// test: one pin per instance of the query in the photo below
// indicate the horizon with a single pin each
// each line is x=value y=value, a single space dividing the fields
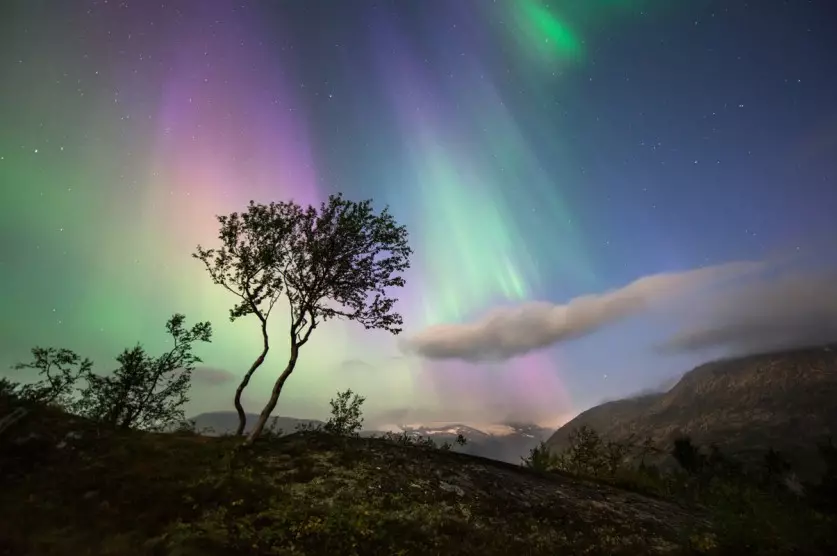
x=598 y=201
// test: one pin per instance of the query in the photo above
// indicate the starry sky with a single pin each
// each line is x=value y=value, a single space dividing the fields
x=537 y=151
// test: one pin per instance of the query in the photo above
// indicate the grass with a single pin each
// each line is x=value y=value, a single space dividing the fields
x=69 y=488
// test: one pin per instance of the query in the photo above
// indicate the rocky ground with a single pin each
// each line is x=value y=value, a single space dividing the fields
x=70 y=488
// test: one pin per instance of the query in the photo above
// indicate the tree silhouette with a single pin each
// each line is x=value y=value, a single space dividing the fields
x=338 y=261
x=146 y=392
x=60 y=370
x=540 y=458
x=254 y=246
x=346 y=414
x=688 y=455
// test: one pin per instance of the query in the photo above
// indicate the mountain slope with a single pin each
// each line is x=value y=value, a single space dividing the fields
x=785 y=400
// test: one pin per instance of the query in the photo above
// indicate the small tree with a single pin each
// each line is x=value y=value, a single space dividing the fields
x=615 y=456
x=586 y=453
x=346 y=414
x=60 y=369
x=147 y=392
x=688 y=456
x=541 y=458
x=254 y=246
x=8 y=389
x=336 y=262
x=645 y=449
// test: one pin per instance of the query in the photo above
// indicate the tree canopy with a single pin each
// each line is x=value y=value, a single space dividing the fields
x=147 y=392
x=144 y=392
x=338 y=260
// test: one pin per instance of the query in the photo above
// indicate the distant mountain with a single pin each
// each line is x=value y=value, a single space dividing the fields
x=504 y=442
x=216 y=423
x=745 y=405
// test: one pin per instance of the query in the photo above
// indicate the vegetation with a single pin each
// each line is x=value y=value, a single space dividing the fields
x=85 y=470
x=347 y=419
x=59 y=369
x=336 y=262
x=346 y=414
x=144 y=392
x=766 y=511
x=72 y=486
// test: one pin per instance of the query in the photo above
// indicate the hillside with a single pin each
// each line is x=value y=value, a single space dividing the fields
x=70 y=487
x=744 y=405
x=513 y=442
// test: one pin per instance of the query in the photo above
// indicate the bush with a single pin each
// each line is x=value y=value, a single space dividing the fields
x=144 y=392
x=346 y=414
x=756 y=510
x=541 y=459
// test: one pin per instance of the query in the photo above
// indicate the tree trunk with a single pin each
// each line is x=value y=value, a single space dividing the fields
x=242 y=417
x=274 y=395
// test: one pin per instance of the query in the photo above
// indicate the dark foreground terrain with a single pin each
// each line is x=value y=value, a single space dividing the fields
x=68 y=487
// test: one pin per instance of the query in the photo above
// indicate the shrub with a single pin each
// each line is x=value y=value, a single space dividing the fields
x=346 y=414
x=541 y=458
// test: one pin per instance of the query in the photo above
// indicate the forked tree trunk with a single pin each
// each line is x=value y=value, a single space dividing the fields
x=242 y=417
x=274 y=395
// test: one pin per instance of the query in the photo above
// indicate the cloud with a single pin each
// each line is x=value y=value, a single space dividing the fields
x=784 y=311
x=211 y=376
x=659 y=389
x=486 y=413
x=356 y=365
x=512 y=331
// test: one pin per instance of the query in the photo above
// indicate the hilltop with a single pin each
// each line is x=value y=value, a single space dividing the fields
x=72 y=487
x=744 y=405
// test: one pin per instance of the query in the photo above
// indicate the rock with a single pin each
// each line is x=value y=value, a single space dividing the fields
x=451 y=488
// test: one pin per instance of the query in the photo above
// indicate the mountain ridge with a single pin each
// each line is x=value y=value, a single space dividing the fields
x=515 y=441
x=745 y=405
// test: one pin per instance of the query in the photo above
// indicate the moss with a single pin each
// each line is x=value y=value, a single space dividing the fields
x=311 y=493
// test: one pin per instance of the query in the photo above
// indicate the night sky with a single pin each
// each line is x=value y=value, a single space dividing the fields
x=536 y=151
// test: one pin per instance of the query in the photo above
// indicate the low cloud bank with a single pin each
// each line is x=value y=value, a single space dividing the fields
x=513 y=331
x=488 y=414
x=791 y=310
x=212 y=376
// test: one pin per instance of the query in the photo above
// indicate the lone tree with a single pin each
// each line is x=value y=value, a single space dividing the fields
x=338 y=261
x=253 y=249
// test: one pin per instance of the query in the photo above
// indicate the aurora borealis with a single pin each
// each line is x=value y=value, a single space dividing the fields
x=536 y=151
